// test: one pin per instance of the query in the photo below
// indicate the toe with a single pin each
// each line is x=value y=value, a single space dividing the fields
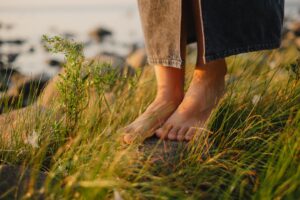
x=163 y=132
x=128 y=138
x=190 y=134
x=181 y=133
x=172 y=135
x=159 y=132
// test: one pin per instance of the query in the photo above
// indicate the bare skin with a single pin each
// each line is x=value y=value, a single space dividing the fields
x=171 y=116
x=205 y=90
x=170 y=82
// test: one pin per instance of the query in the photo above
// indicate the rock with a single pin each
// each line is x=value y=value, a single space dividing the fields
x=12 y=57
x=15 y=42
x=24 y=120
x=8 y=58
x=116 y=62
x=19 y=90
x=31 y=89
x=289 y=36
x=297 y=42
x=297 y=32
x=9 y=26
x=2 y=65
x=15 y=181
x=295 y=27
x=50 y=95
x=68 y=35
x=54 y=63
x=7 y=75
x=162 y=150
x=31 y=50
x=113 y=59
x=99 y=34
x=137 y=59
x=9 y=122
x=291 y=33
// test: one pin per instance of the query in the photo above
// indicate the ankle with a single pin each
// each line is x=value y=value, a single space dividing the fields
x=212 y=73
x=215 y=68
x=172 y=96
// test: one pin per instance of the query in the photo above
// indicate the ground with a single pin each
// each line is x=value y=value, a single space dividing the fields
x=71 y=148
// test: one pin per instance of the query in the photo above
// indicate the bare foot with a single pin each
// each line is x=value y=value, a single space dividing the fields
x=170 y=83
x=205 y=90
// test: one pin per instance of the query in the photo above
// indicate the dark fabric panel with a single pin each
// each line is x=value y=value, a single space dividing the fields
x=240 y=24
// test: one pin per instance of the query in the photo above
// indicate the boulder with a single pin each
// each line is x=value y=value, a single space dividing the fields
x=14 y=42
x=50 y=94
x=99 y=34
x=162 y=151
x=291 y=34
x=8 y=76
x=10 y=121
x=68 y=35
x=295 y=27
x=18 y=90
x=111 y=58
x=137 y=58
x=54 y=63
x=16 y=180
x=117 y=62
x=31 y=50
x=12 y=57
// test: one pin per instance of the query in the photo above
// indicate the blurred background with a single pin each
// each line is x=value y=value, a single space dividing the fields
x=106 y=27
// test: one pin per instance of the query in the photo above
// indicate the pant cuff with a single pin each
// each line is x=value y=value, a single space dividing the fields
x=166 y=62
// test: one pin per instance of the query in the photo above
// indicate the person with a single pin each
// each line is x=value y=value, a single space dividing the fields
x=220 y=28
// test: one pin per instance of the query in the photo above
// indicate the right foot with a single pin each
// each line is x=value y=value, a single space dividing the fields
x=170 y=93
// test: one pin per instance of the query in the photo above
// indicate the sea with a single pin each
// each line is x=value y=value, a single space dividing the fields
x=30 y=19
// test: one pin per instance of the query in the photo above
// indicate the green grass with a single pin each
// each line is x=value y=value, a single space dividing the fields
x=251 y=149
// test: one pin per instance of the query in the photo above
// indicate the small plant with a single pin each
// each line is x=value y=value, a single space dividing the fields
x=73 y=86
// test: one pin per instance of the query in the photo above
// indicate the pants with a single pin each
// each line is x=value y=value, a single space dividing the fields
x=220 y=28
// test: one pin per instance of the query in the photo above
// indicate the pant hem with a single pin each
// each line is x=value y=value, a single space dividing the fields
x=166 y=62
x=246 y=49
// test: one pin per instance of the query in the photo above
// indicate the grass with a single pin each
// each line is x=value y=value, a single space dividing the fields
x=251 y=149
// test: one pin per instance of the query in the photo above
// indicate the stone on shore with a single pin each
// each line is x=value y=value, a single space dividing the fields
x=15 y=182
x=13 y=42
x=117 y=62
x=161 y=151
x=54 y=63
x=99 y=34
x=137 y=59
x=18 y=90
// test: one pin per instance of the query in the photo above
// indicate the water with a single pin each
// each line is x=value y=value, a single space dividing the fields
x=30 y=19
x=30 y=22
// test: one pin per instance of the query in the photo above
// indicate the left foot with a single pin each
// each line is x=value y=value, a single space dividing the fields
x=205 y=90
x=170 y=83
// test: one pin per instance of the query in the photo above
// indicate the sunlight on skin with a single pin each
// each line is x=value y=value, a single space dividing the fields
x=204 y=92
x=170 y=83
x=145 y=125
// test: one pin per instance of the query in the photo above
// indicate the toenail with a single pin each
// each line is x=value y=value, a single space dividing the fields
x=128 y=138
x=180 y=137
x=172 y=136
